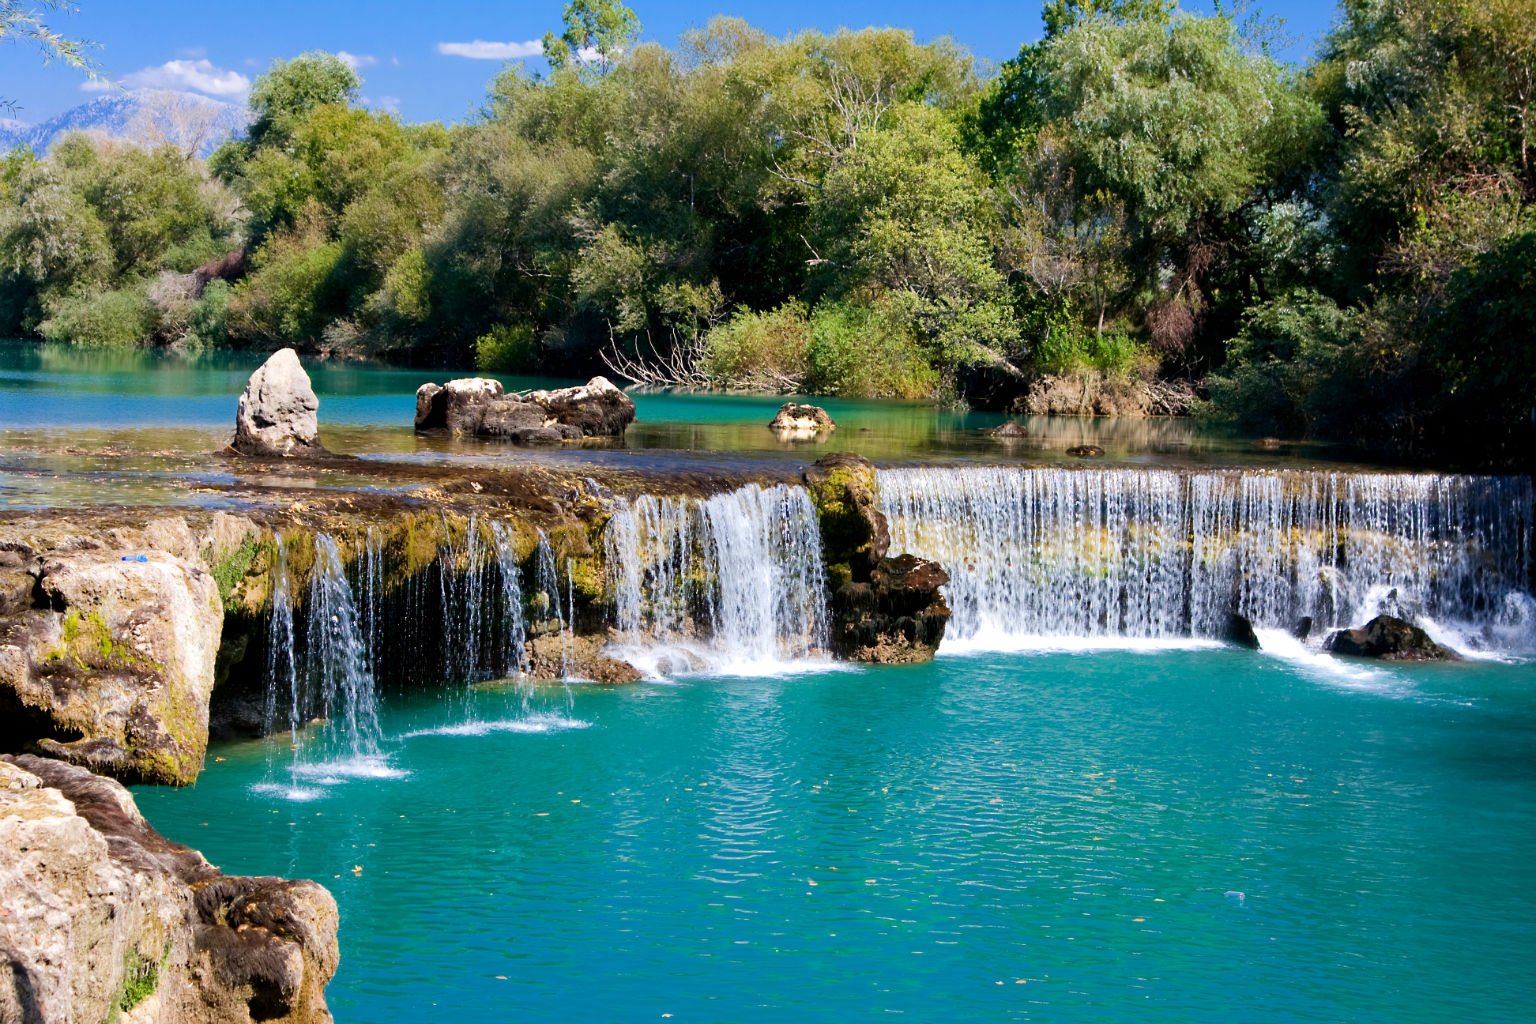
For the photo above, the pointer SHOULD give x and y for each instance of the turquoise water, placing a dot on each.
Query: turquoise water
(1166, 835)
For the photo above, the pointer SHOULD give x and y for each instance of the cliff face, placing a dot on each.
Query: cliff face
(103, 918)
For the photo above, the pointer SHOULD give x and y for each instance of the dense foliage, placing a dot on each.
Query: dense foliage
(1343, 250)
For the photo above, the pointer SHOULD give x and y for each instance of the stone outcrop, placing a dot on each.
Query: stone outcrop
(555, 656)
(1239, 632)
(107, 654)
(478, 407)
(884, 609)
(102, 918)
(1390, 639)
(794, 421)
(277, 413)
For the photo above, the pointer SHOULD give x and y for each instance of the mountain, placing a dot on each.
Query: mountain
(143, 117)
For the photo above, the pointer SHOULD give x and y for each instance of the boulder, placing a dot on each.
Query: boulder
(553, 656)
(897, 617)
(1010, 431)
(1239, 632)
(110, 664)
(1390, 639)
(794, 421)
(276, 415)
(103, 918)
(477, 407)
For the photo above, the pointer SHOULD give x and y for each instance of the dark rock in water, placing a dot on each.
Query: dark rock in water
(127, 907)
(1086, 451)
(1239, 631)
(1303, 628)
(1009, 431)
(1391, 639)
(1269, 444)
(897, 617)
(277, 412)
(854, 533)
(801, 421)
(477, 406)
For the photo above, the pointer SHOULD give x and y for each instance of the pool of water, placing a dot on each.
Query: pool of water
(1155, 835)
(140, 426)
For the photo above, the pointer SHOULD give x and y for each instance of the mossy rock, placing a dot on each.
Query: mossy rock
(844, 488)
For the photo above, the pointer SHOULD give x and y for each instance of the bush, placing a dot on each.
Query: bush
(207, 322)
(866, 352)
(294, 294)
(508, 348)
(760, 351)
(124, 316)
(1292, 368)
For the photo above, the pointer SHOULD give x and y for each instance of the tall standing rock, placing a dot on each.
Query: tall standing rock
(277, 412)
(885, 610)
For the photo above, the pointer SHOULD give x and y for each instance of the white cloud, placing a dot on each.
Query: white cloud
(355, 60)
(390, 103)
(96, 85)
(196, 75)
(482, 50)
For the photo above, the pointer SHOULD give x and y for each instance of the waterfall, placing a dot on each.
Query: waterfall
(282, 660)
(338, 661)
(462, 571)
(735, 579)
(513, 626)
(1152, 553)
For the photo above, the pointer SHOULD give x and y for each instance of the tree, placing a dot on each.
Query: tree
(596, 33)
(22, 22)
(289, 90)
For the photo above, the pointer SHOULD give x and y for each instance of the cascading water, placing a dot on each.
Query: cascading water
(1150, 553)
(514, 629)
(338, 660)
(462, 572)
(736, 579)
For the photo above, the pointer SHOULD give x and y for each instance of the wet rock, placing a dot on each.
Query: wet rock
(103, 918)
(1086, 451)
(897, 617)
(1391, 639)
(1239, 632)
(1268, 444)
(797, 422)
(277, 413)
(854, 532)
(477, 406)
(1010, 431)
(111, 663)
(1303, 628)
(554, 656)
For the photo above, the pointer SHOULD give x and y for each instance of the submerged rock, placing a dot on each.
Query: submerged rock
(1010, 431)
(797, 422)
(103, 918)
(277, 413)
(1391, 639)
(111, 663)
(1086, 451)
(478, 407)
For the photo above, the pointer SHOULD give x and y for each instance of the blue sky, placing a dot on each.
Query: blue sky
(218, 47)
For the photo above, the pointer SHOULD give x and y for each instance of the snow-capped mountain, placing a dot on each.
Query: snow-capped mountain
(143, 117)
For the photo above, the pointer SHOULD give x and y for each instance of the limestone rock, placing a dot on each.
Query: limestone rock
(798, 422)
(897, 617)
(103, 918)
(553, 656)
(277, 412)
(1391, 639)
(854, 532)
(1010, 431)
(111, 664)
(477, 406)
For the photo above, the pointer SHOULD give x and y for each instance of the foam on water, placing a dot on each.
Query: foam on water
(533, 724)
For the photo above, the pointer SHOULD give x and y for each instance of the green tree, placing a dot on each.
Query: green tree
(596, 32)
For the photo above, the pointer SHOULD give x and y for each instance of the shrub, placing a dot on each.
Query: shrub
(866, 352)
(124, 316)
(760, 351)
(508, 348)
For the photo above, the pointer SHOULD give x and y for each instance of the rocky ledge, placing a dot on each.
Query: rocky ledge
(477, 406)
(884, 610)
(102, 918)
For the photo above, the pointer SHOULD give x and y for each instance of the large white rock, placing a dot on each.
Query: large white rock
(277, 414)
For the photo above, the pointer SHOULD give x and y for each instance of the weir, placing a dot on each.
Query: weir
(734, 579)
(1154, 553)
